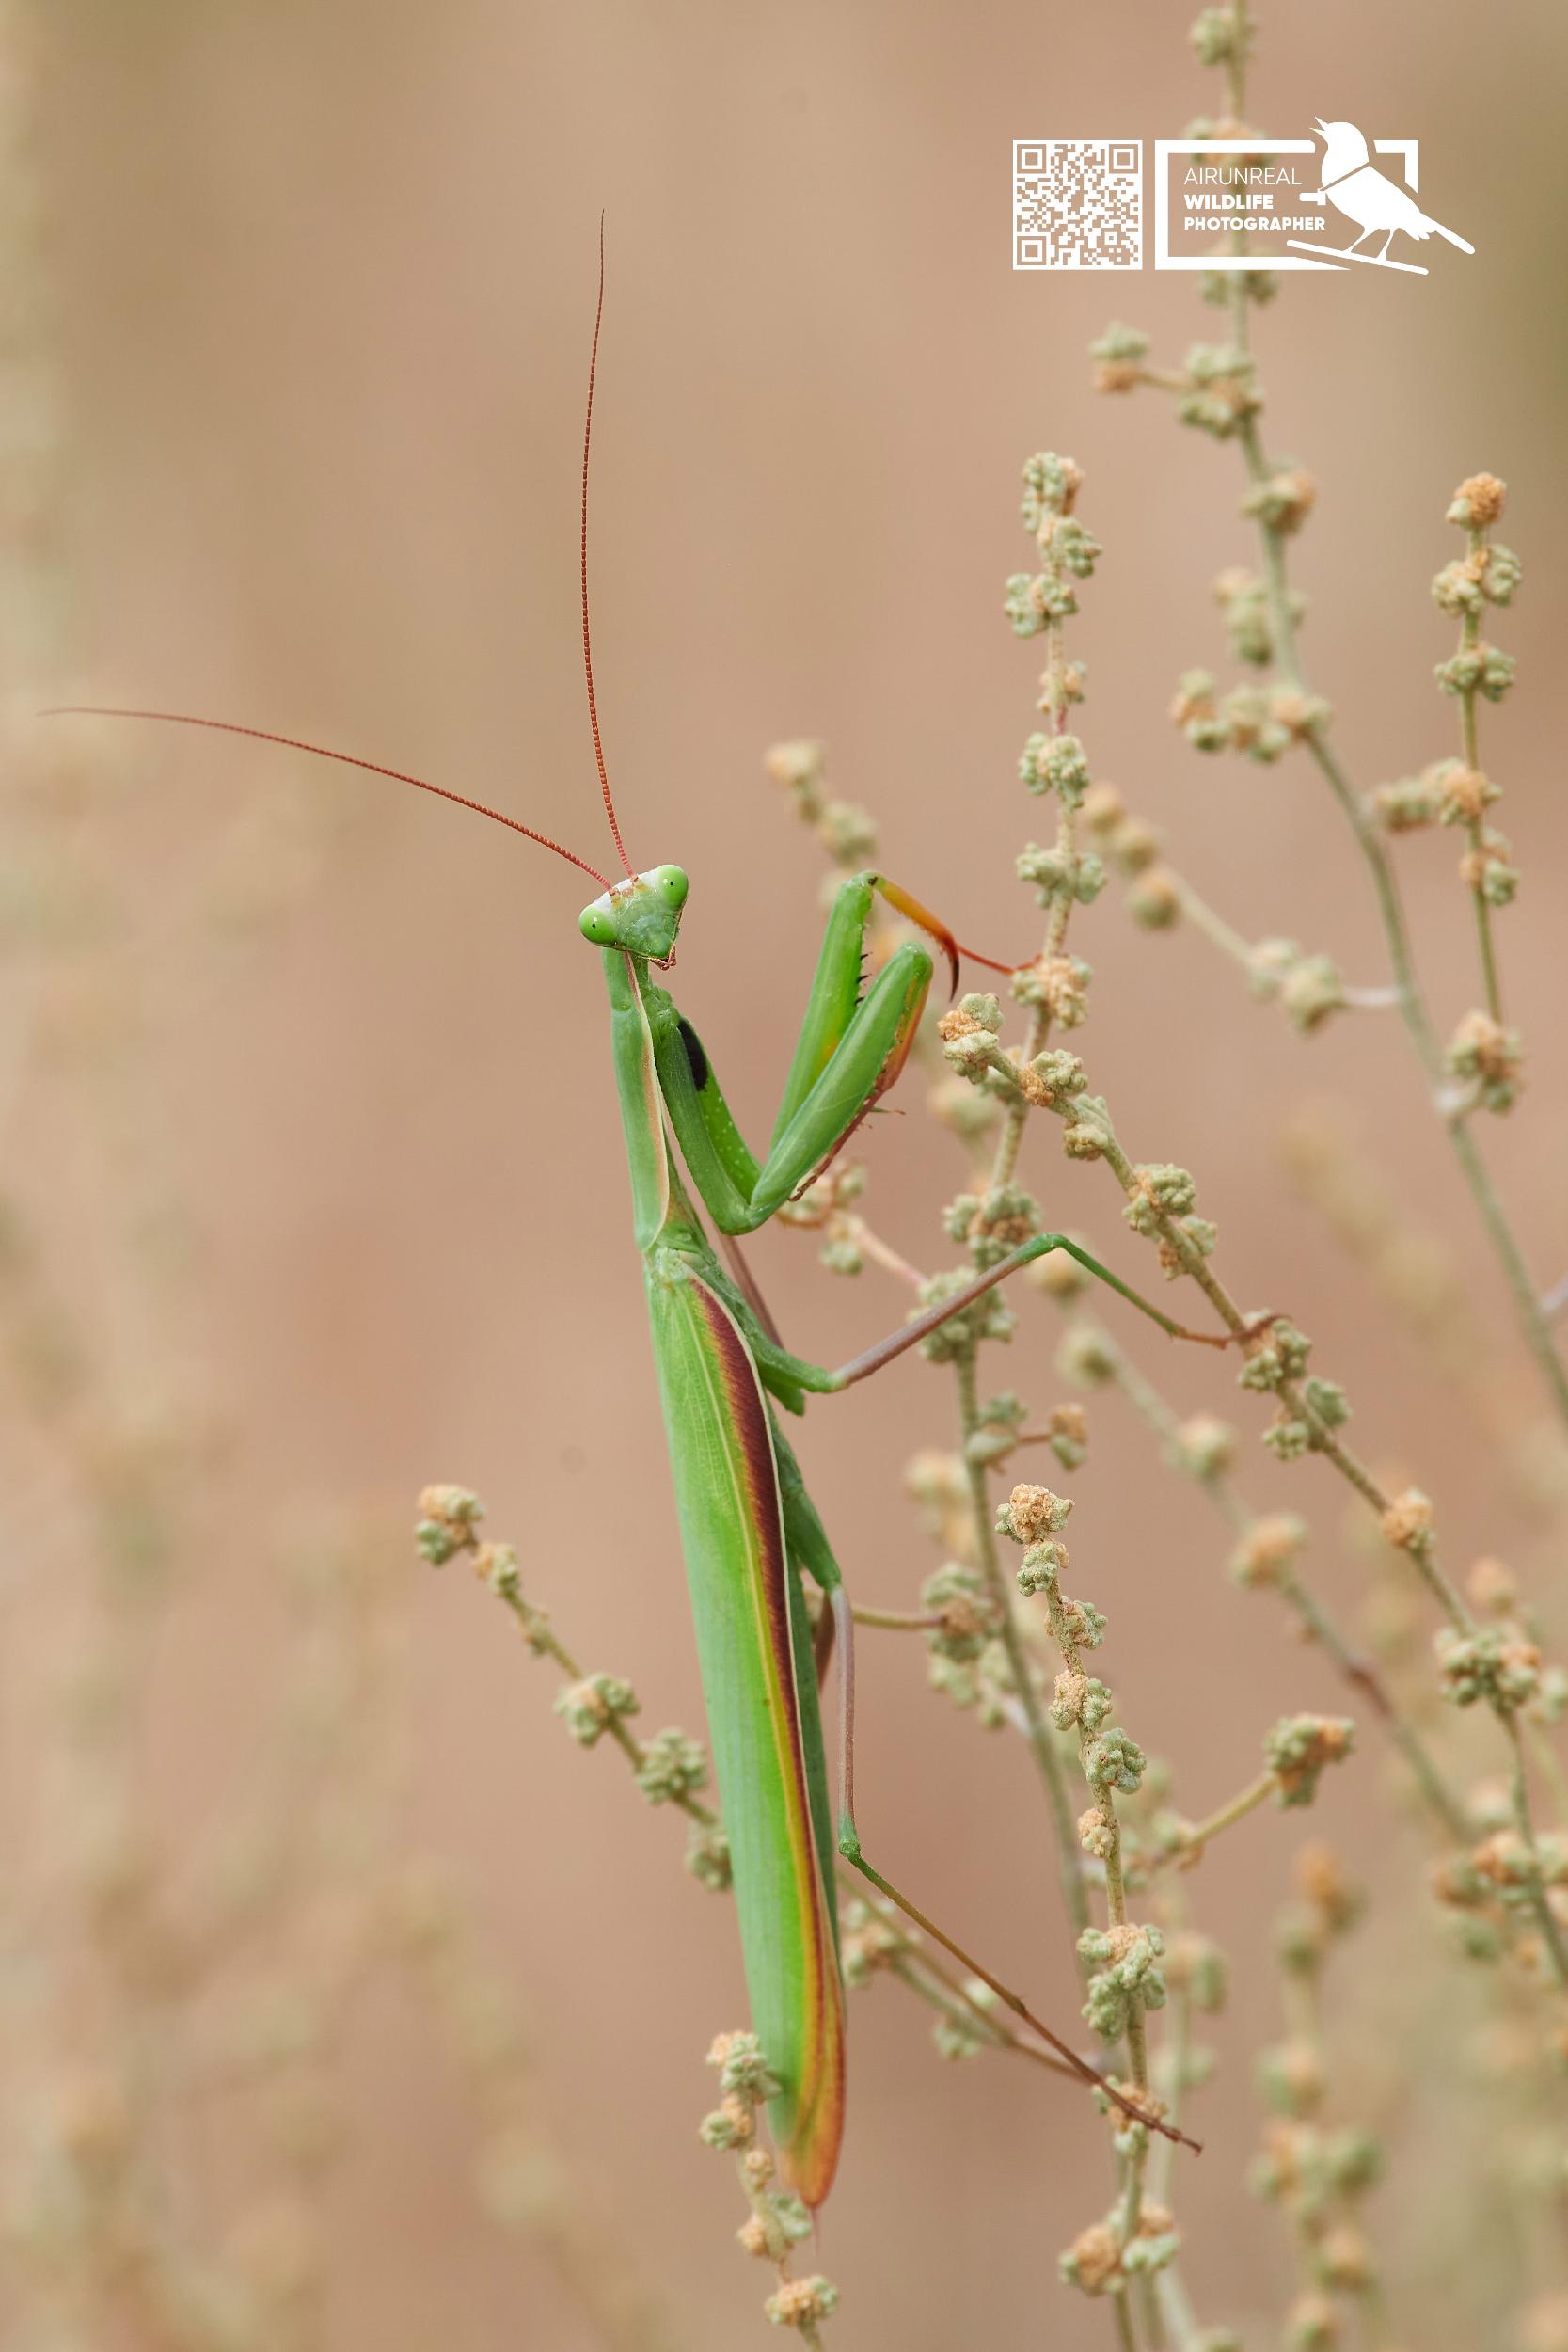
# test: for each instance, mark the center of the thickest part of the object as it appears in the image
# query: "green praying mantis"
(750, 1531)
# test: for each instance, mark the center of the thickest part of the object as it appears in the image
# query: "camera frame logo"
(1078, 203)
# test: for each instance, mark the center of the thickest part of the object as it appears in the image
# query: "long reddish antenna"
(583, 565)
(293, 744)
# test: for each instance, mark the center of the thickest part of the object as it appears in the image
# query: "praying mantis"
(750, 1532)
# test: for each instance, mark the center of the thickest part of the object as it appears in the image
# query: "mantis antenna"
(582, 568)
(374, 767)
(294, 743)
(991, 962)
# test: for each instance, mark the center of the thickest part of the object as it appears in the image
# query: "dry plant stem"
(1054, 701)
(1362, 1675)
(1303, 2008)
(1533, 1322)
(1551, 1769)
(1219, 933)
(1177, 2051)
(1236, 57)
(1037, 1730)
(1246, 1801)
(767, 2235)
(1176, 2310)
(1172, 2305)
(1371, 1221)
(1323, 1441)
(1470, 637)
(1351, 1468)
(1314, 1615)
(1545, 1918)
(543, 1639)
(1356, 1472)
(1133, 2164)
(1004, 1163)
(1213, 927)
(1055, 698)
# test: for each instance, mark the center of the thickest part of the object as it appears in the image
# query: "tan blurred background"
(321, 280)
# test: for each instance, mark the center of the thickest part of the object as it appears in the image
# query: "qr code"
(1078, 204)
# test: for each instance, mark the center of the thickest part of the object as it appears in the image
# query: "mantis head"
(641, 916)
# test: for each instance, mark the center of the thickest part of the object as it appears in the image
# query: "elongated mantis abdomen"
(760, 1685)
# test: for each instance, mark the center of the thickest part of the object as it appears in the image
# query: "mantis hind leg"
(777, 1366)
(853, 1852)
(824, 1641)
(873, 1358)
(809, 1550)
(809, 1555)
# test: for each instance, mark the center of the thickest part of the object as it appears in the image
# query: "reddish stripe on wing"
(810, 2156)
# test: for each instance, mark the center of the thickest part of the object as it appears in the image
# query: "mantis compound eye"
(597, 924)
(671, 884)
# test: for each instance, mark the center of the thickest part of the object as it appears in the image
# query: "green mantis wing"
(761, 1699)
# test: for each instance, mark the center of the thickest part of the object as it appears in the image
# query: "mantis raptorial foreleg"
(849, 1050)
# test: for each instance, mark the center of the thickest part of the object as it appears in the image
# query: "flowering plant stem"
(1323, 1440)
(1286, 1579)
(1042, 1745)
(1246, 1801)
(1533, 1322)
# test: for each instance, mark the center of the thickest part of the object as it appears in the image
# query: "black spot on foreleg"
(696, 1059)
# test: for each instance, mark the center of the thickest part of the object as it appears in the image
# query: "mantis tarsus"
(749, 1529)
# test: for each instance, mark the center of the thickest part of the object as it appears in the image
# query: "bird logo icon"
(1355, 187)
